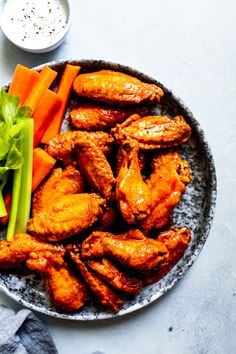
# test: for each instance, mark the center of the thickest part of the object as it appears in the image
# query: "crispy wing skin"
(132, 234)
(106, 296)
(116, 88)
(153, 132)
(132, 193)
(14, 254)
(99, 117)
(62, 147)
(168, 182)
(69, 215)
(67, 292)
(140, 254)
(61, 182)
(95, 167)
(176, 241)
(111, 274)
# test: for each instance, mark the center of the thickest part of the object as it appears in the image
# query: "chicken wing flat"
(61, 182)
(69, 215)
(176, 241)
(167, 182)
(62, 147)
(111, 274)
(67, 292)
(97, 117)
(132, 193)
(106, 296)
(95, 167)
(153, 132)
(141, 254)
(115, 88)
(14, 254)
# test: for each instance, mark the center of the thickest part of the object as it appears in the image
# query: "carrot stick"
(42, 165)
(22, 82)
(46, 78)
(46, 109)
(64, 90)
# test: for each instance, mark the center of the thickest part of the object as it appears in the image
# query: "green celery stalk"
(24, 202)
(16, 149)
(14, 204)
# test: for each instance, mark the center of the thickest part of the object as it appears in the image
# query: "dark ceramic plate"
(195, 211)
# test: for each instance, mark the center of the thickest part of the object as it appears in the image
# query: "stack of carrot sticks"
(48, 109)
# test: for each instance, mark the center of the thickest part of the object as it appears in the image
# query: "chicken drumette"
(14, 254)
(153, 132)
(116, 88)
(140, 253)
(132, 193)
(66, 291)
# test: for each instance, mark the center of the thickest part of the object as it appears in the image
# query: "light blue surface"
(191, 47)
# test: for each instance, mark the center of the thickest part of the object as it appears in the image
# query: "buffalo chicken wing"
(66, 291)
(115, 88)
(132, 193)
(153, 132)
(176, 241)
(106, 296)
(14, 254)
(62, 147)
(61, 182)
(168, 182)
(113, 275)
(97, 117)
(69, 215)
(139, 254)
(95, 167)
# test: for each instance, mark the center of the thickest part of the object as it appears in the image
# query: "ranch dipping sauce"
(35, 23)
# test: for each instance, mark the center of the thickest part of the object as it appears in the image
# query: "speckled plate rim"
(186, 262)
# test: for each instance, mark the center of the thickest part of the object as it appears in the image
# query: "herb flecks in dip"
(35, 23)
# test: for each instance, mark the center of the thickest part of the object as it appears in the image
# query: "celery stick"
(16, 127)
(24, 203)
(14, 204)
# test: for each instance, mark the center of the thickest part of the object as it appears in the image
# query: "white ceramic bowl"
(42, 47)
